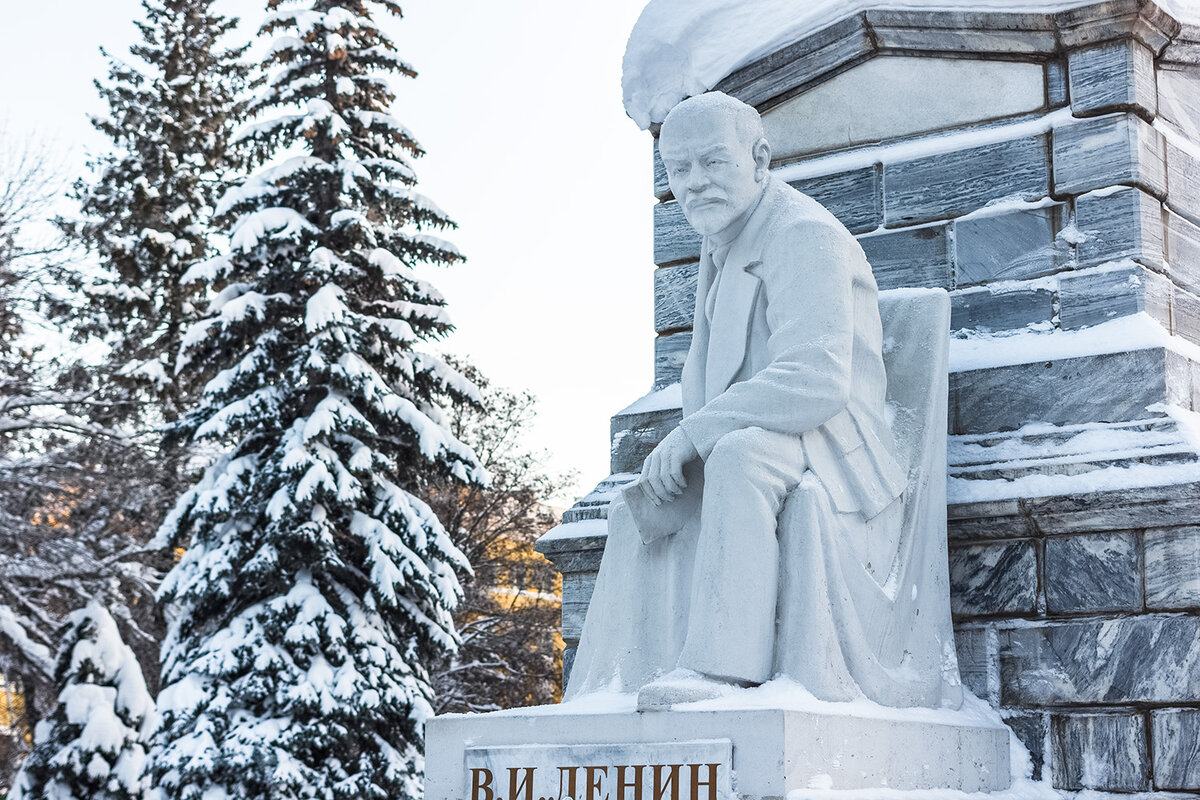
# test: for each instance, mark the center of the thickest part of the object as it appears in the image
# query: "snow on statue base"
(749, 744)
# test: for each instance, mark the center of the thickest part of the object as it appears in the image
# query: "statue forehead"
(699, 125)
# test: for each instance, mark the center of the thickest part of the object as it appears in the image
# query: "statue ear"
(762, 159)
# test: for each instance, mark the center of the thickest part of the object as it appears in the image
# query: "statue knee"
(735, 454)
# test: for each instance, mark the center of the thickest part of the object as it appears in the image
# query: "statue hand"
(662, 474)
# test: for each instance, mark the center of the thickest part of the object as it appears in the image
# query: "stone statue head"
(717, 161)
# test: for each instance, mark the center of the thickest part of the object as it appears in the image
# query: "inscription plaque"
(697, 770)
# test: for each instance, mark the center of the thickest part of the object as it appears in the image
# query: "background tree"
(145, 217)
(84, 480)
(316, 587)
(509, 618)
(93, 747)
(73, 501)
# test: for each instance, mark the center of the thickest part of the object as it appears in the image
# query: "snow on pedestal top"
(680, 48)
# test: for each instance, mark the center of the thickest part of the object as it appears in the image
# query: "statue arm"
(807, 274)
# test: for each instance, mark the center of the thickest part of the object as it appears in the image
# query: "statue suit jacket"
(795, 346)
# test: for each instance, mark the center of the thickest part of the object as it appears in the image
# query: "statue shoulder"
(805, 213)
(800, 225)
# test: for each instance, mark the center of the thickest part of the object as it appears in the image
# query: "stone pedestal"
(1045, 169)
(715, 752)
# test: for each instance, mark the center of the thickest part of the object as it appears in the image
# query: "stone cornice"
(987, 34)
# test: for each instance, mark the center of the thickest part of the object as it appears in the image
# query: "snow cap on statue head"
(746, 120)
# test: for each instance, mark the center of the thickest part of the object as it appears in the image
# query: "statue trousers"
(735, 578)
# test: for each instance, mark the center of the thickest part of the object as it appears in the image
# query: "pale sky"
(518, 106)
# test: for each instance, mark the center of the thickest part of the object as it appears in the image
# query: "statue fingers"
(673, 481)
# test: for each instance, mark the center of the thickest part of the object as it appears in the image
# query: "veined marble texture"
(1092, 573)
(1136, 659)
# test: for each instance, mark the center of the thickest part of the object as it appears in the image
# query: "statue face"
(713, 173)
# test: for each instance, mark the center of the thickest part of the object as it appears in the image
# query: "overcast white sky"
(518, 105)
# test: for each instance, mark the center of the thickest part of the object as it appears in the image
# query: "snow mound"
(680, 48)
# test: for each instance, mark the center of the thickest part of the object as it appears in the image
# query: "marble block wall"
(1045, 170)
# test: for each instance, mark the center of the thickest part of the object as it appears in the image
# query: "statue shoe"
(681, 686)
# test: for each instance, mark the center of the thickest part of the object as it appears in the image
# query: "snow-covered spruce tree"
(93, 746)
(316, 587)
(171, 113)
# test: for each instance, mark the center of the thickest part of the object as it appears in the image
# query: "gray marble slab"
(787, 71)
(633, 436)
(1113, 76)
(1012, 246)
(1176, 737)
(1101, 152)
(1184, 50)
(1179, 98)
(568, 661)
(1136, 659)
(1057, 94)
(1093, 298)
(963, 30)
(952, 184)
(1107, 387)
(993, 579)
(1099, 751)
(1183, 176)
(974, 659)
(983, 310)
(976, 528)
(1116, 19)
(1183, 249)
(674, 238)
(1173, 568)
(674, 297)
(1185, 314)
(911, 257)
(1093, 573)
(670, 351)
(1118, 509)
(662, 189)
(1031, 730)
(853, 196)
(965, 41)
(1192, 382)
(577, 588)
(1125, 223)
(574, 554)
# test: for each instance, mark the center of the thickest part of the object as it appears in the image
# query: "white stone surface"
(787, 527)
(889, 97)
(775, 751)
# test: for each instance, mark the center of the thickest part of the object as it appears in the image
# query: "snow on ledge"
(580, 529)
(680, 48)
(1134, 332)
(664, 399)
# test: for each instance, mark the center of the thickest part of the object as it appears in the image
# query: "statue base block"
(710, 752)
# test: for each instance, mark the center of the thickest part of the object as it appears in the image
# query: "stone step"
(1074, 390)
(594, 505)
(1062, 440)
(1069, 450)
(1077, 465)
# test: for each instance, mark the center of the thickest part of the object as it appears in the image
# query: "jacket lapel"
(729, 334)
(693, 379)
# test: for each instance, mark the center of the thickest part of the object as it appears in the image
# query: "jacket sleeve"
(807, 273)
